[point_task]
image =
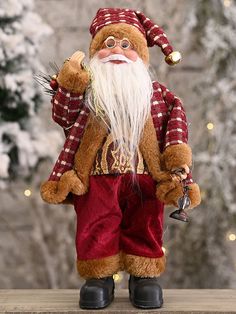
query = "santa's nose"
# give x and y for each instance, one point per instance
(117, 49)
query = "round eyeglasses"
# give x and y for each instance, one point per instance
(111, 42)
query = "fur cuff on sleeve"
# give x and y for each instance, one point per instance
(72, 79)
(175, 156)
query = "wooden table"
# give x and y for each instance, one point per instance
(66, 302)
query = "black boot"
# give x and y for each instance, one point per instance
(97, 293)
(145, 292)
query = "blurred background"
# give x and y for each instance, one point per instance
(36, 239)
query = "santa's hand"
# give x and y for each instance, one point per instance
(76, 60)
(180, 173)
(170, 191)
(73, 76)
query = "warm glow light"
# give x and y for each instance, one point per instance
(203, 194)
(227, 3)
(117, 277)
(232, 237)
(164, 250)
(27, 192)
(210, 126)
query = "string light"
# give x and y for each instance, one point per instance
(27, 193)
(210, 126)
(118, 277)
(232, 237)
(164, 250)
(227, 3)
(203, 194)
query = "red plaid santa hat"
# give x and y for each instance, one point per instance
(153, 33)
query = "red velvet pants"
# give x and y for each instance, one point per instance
(119, 213)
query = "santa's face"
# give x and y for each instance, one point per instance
(117, 47)
(121, 91)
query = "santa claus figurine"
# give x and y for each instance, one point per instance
(126, 136)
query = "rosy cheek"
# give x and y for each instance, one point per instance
(132, 55)
(103, 53)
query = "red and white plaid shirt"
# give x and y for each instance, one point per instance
(69, 111)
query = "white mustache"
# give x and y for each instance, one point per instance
(116, 57)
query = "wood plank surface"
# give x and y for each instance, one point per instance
(66, 302)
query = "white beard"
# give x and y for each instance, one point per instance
(123, 93)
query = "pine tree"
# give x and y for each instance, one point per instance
(23, 142)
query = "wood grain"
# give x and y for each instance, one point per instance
(66, 302)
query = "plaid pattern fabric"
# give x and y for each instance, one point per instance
(153, 33)
(169, 119)
(109, 16)
(70, 111)
(65, 107)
